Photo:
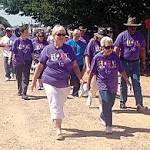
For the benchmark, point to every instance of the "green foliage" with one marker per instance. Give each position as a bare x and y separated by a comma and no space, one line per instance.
4,22
88,12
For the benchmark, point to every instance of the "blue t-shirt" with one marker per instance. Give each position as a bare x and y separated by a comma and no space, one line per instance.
79,48
58,65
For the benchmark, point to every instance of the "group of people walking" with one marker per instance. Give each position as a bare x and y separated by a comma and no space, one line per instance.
62,63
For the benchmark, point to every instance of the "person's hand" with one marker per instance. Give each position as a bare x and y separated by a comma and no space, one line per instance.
82,81
144,66
33,85
9,61
8,45
129,84
88,70
88,85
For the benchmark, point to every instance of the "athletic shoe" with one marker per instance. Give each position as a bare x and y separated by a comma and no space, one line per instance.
25,97
40,88
89,101
140,108
108,130
123,106
7,79
102,121
59,136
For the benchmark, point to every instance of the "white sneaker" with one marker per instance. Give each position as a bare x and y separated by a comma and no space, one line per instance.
108,130
102,121
89,101
80,92
7,79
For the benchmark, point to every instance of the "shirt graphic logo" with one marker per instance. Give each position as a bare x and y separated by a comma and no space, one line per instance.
131,43
109,64
58,56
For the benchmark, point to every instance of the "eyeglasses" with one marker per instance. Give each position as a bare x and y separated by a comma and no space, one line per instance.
60,34
40,36
109,47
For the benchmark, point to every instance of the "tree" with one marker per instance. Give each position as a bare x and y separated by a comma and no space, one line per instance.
88,12
4,22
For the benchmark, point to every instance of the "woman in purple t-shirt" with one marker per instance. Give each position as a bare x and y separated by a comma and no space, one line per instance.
39,43
105,65
58,60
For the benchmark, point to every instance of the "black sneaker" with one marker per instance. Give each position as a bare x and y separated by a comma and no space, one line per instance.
25,97
123,106
75,95
19,94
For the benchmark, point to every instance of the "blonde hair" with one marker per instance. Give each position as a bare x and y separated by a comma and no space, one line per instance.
106,41
57,28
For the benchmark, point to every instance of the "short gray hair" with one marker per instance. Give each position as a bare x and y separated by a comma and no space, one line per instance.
106,41
75,31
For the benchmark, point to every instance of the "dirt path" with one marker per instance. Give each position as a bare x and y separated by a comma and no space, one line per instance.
25,125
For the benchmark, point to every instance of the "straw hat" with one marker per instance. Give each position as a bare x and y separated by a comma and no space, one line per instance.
132,22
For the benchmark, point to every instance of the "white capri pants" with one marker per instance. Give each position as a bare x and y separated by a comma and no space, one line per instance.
56,99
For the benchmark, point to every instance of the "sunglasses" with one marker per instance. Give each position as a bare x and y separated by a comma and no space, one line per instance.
60,34
109,47
40,36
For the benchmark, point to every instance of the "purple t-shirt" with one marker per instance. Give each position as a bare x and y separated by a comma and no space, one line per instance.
58,65
92,48
106,69
23,50
130,45
38,47
85,38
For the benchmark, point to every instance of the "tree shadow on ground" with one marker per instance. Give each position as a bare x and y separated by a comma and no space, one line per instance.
131,110
32,97
144,96
126,132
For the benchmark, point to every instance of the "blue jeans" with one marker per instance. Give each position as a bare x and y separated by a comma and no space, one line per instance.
133,71
8,67
108,100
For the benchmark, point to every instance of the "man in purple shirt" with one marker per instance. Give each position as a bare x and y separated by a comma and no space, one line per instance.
84,35
22,50
130,46
105,65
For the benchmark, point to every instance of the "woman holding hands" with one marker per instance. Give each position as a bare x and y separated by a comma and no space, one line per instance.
57,60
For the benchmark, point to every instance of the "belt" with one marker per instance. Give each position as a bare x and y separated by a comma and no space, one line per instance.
121,58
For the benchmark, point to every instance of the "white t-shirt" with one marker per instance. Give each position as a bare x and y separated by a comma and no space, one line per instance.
6,40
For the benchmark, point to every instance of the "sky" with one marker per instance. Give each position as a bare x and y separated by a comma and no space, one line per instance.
15,20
